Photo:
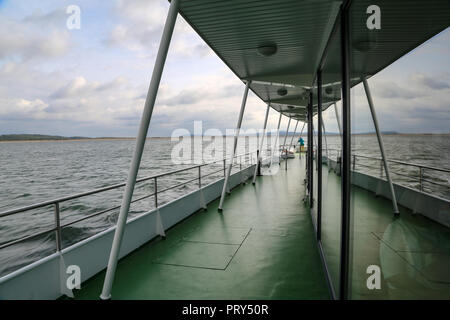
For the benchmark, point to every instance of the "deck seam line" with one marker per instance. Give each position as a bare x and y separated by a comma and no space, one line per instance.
401,257
222,243
209,268
188,266
238,248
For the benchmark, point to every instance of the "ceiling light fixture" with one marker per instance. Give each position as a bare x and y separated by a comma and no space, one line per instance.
365,43
267,50
282,91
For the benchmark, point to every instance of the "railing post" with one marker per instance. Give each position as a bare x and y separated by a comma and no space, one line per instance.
224,167
58,228
155,181
354,162
381,168
199,177
421,178
258,163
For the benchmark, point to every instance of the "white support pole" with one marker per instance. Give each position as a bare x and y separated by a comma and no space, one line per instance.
337,119
140,142
380,143
276,141
284,143
326,144
292,139
236,135
317,149
303,127
339,126
287,132
261,144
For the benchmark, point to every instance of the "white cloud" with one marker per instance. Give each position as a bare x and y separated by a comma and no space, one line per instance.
140,27
35,36
106,87
20,108
410,104
426,82
140,24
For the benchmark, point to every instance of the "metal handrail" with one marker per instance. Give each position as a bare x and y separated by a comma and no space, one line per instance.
55,202
407,163
115,186
421,167
400,162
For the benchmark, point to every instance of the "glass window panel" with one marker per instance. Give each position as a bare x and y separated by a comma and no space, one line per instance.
331,180
404,257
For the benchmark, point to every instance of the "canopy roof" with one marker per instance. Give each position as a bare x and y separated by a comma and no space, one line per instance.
244,34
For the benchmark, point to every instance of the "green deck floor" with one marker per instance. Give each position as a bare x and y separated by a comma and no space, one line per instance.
412,251
261,247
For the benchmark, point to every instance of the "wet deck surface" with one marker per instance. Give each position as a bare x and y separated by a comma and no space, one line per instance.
261,247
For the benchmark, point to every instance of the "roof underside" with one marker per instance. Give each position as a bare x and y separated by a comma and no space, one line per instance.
300,29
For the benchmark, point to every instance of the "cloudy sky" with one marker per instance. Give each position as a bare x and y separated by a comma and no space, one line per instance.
93,81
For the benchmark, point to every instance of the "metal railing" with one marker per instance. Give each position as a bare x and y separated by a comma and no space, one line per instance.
248,160
420,176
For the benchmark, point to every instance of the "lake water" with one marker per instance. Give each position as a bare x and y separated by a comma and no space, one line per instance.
33,172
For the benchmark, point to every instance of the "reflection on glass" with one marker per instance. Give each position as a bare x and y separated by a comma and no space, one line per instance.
331,181
411,251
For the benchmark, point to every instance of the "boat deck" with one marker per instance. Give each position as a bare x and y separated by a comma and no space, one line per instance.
261,247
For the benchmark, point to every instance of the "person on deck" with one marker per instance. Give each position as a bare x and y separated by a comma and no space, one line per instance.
302,145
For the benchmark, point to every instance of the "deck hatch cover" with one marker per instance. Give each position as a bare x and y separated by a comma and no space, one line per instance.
211,248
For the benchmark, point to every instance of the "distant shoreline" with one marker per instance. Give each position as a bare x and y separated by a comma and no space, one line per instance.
156,138
49,138
66,140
